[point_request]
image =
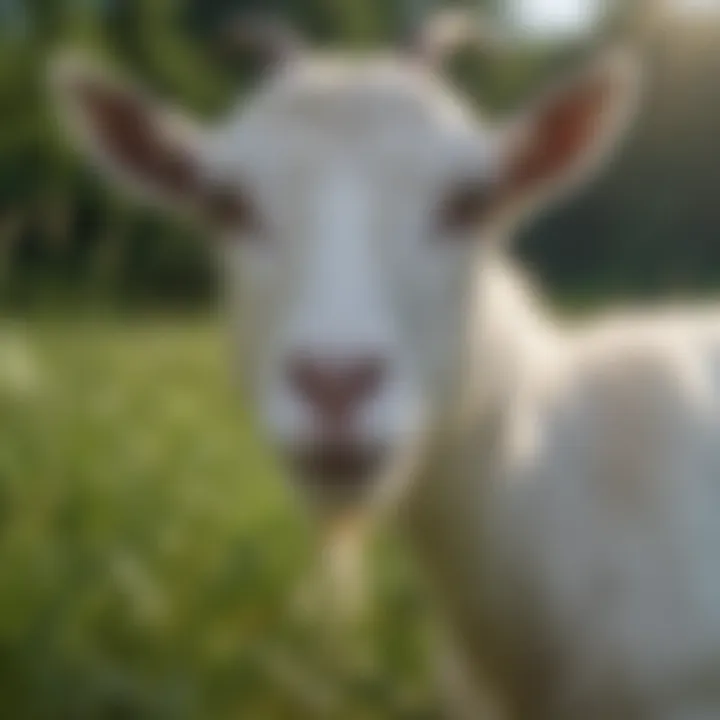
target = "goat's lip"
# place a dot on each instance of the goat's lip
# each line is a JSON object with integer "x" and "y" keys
{"x": 340, "y": 465}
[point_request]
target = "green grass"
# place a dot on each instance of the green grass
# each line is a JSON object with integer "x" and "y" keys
{"x": 149, "y": 549}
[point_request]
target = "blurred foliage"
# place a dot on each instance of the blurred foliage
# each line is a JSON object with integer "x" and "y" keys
{"x": 149, "y": 556}
{"x": 651, "y": 224}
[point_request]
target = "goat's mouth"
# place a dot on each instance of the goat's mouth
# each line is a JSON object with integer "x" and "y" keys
{"x": 340, "y": 469}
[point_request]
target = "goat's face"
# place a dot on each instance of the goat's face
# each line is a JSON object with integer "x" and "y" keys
{"x": 356, "y": 199}
{"x": 350, "y": 283}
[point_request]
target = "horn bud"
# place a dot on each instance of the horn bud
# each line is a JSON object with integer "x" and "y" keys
{"x": 270, "y": 42}
{"x": 447, "y": 32}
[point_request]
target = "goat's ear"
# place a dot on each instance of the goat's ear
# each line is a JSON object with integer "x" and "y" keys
{"x": 151, "y": 152}
{"x": 572, "y": 129}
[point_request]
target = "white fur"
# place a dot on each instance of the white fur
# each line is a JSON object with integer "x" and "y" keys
{"x": 561, "y": 483}
{"x": 569, "y": 525}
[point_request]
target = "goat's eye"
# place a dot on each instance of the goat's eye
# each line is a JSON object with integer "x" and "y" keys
{"x": 232, "y": 209}
{"x": 464, "y": 207}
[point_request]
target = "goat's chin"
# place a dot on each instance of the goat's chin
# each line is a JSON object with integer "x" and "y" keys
{"x": 335, "y": 502}
{"x": 338, "y": 503}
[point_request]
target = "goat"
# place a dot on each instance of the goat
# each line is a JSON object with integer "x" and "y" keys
{"x": 557, "y": 482}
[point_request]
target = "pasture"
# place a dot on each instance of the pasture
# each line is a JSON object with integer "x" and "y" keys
{"x": 149, "y": 551}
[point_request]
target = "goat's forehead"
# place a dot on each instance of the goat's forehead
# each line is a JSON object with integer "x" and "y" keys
{"x": 364, "y": 92}
{"x": 373, "y": 108}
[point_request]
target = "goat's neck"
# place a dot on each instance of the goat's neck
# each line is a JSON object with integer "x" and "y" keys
{"x": 456, "y": 511}
{"x": 509, "y": 342}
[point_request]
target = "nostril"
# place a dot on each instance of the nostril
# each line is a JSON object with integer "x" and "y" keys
{"x": 335, "y": 387}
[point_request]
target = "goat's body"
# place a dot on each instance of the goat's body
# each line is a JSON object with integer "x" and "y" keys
{"x": 571, "y": 525}
{"x": 566, "y": 511}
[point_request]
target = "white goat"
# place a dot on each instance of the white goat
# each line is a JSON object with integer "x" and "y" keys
{"x": 559, "y": 486}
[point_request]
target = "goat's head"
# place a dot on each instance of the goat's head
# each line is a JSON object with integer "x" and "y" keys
{"x": 353, "y": 198}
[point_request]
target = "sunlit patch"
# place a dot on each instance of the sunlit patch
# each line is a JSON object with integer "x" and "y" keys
{"x": 139, "y": 588}
{"x": 20, "y": 375}
{"x": 557, "y": 18}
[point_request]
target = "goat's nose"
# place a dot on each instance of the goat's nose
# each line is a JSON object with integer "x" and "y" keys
{"x": 335, "y": 389}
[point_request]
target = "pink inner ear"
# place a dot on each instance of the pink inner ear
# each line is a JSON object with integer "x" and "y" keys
{"x": 132, "y": 134}
{"x": 562, "y": 134}
{"x": 136, "y": 141}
